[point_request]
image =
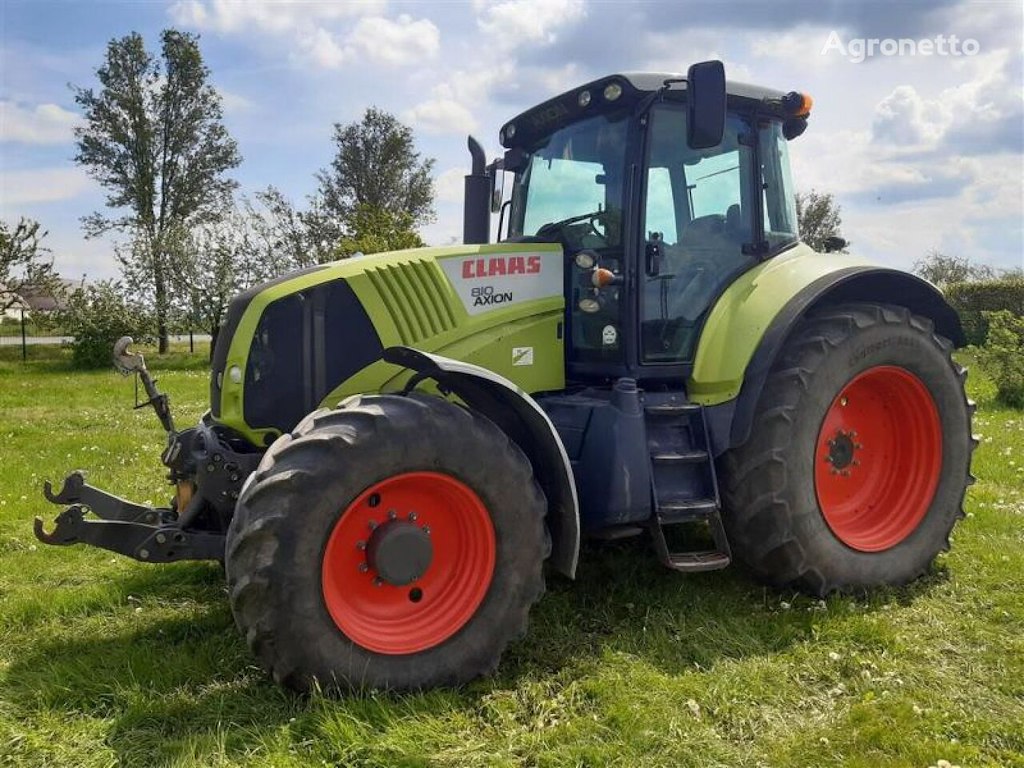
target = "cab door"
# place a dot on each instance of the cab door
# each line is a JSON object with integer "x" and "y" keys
{"x": 697, "y": 215}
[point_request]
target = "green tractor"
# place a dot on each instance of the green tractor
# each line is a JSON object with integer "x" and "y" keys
{"x": 398, "y": 445}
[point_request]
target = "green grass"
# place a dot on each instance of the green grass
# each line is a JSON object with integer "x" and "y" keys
{"x": 104, "y": 661}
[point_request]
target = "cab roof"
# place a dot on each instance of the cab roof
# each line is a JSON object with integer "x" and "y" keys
{"x": 567, "y": 107}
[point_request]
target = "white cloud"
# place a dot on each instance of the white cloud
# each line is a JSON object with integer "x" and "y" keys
{"x": 233, "y": 103}
{"x": 273, "y": 16}
{"x": 440, "y": 116}
{"x": 41, "y": 185}
{"x": 513, "y": 22}
{"x": 328, "y": 35}
{"x": 394, "y": 43}
{"x": 449, "y": 185}
{"x": 447, "y": 110}
{"x": 320, "y": 48}
{"x": 44, "y": 124}
{"x": 904, "y": 118}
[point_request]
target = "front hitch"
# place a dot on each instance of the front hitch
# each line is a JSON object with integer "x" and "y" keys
{"x": 147, "y": 534}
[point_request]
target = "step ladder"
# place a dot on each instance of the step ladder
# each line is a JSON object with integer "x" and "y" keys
{"x": 683, "y": 483}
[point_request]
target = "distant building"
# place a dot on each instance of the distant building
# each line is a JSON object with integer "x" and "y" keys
{"x": 12, "y": 307}
{"x": 40, "y": 300}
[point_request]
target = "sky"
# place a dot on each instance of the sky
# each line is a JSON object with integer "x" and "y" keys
{"x": 919, "y": 135}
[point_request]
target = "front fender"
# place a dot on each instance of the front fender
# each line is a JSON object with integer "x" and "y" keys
{"x": 519, "y": 416}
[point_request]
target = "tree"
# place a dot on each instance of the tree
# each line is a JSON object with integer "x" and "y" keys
{"x": 211, "y": 264}
{"x": 818, "y": 216}
{"x": 376, "y": 164}
{"x": 153, "y": 137}
{"x": 936, "y": 267}
{"x": 24, "y": 263}
{"x": 375, "y": 230}
{"x": 97, "y": 316}
{"x": 290, "y": 239}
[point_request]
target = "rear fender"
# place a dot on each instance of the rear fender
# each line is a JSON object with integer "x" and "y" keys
{"x": 732, "y": 420}
{"x": 518, "y": 415}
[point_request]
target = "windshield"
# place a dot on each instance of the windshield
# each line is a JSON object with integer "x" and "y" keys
{"x": 572, "y": 185}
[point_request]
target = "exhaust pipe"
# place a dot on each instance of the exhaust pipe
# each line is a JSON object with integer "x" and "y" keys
{"x": 476, "y": 206}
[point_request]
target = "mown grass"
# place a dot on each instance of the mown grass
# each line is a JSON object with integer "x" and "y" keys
{"x": 104, "y": 661}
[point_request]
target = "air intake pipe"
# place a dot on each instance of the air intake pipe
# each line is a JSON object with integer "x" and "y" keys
{"x": 476, "y": 210}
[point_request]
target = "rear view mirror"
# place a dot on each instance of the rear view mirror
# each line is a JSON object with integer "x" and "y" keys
{"x": 705, "y": 86}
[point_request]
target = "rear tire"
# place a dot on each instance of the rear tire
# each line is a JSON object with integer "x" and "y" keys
{"x": 316, "y": 607}
{"x": 859, "y": 456}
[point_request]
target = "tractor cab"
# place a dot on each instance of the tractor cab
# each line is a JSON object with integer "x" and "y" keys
{"x": 661, "y": 191}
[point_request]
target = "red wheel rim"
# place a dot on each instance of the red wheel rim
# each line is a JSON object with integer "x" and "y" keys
{"x": 878, "y": 458}
{"x": 406, "y": 618}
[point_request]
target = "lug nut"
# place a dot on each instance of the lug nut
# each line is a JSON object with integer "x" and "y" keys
{"x": 413, "y": 517}
{"x": 373, "y": 525}
{"x": 392, "y": 515}
{"x": 378, "y": 582}
{"x": 426, "y": 529}
{"x": 144, "y": 554}
{"x": 363, "y": 567}
{"x": 160, "y": 538}
{"x": 361, "y": 545}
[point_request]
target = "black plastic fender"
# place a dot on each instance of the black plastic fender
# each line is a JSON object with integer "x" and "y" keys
{"x": 878, "y": 285}
{"x": 520, "y": 417}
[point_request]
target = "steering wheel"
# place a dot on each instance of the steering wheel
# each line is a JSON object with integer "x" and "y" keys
{"x": 573, "y": 235}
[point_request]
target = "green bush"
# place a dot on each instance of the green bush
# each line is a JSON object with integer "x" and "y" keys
{"x": 97, "y": 316}
{"x": 972, "y": 300}
{"x": 1003, "y": 356}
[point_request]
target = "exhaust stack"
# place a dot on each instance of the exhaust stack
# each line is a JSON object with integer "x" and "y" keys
{"x": 476, "y": 210}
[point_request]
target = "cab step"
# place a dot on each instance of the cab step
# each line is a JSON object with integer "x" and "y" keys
{"x": 672, "y": 511}
{"x": 683, "y": 484}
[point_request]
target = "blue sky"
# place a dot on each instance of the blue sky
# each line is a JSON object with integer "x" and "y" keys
{"x": 922, "y": 150}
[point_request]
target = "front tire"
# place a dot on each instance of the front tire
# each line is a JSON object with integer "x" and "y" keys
{"x": 859, "y": 456}
{"x": 395, "y": 542}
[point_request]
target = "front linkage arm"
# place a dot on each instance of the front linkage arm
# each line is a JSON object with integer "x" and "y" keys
{"x": 146, "y": 543}
{"x": 151, "y": 534}
{"x": 147, "y": 534}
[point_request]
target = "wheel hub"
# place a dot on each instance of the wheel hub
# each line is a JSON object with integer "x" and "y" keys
{"x": 841, "y": 449}
{"x": 399, "y": 552}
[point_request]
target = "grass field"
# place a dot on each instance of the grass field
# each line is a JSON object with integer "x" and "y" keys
{"x": 105, "y": 661}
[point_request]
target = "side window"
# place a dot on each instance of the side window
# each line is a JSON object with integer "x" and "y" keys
{"x": 699, "y": 201}
{"x": 780, "y": 223}
{"x": 712, "y": 184}
{"x": 661, "y": 213}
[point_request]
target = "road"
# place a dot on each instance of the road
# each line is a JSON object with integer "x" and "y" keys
{"x": 15, "y": 341}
